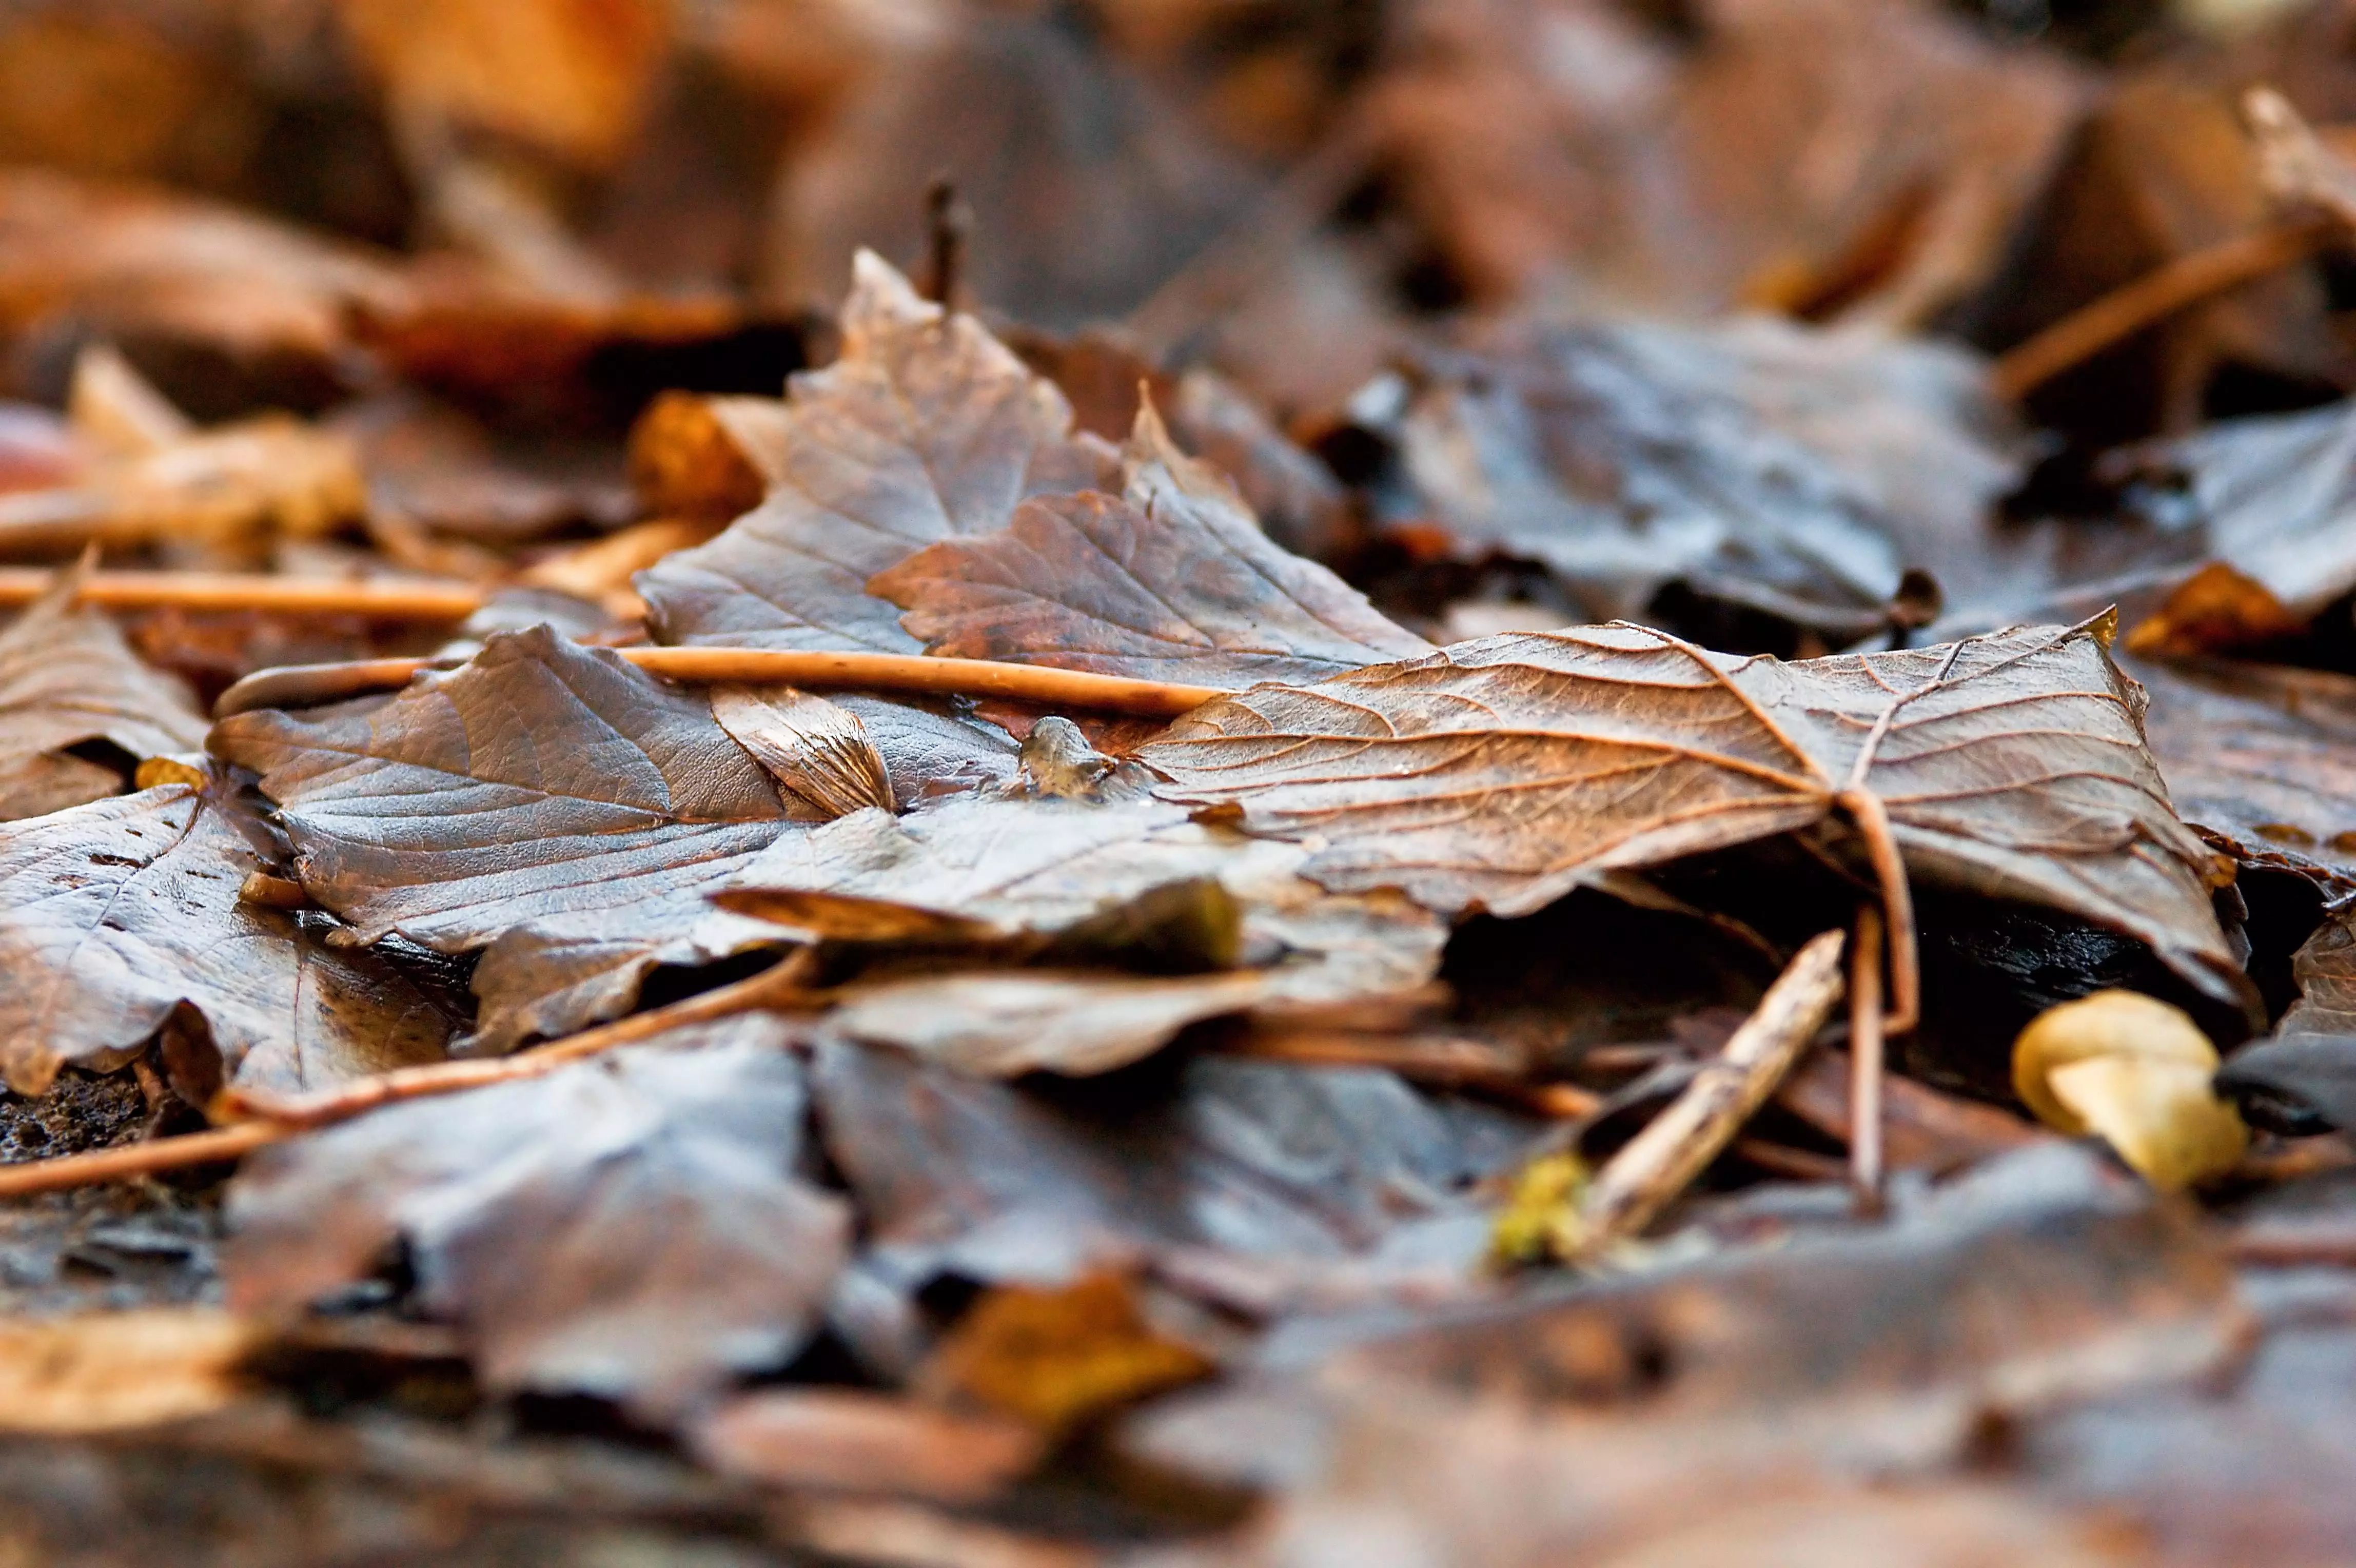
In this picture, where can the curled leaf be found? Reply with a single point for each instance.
(2137, 1073)
(816, 749)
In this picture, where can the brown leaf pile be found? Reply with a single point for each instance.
(1627, 500)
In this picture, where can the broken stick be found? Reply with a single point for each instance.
(1662, 1161)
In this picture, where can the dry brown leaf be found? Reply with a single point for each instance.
(2311, 1061)
(1006, 1025)
(2259, 756)
(67, 677)
(1171, 580)
(111, 1371)
(1503, 773)
(926, 428)
(116, 913)
(1618, 459)
(817, 750)
(634, 1227)
(547, 796)
(705, 456)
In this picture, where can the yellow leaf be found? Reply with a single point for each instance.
(1541, 1221)
(111, 1371)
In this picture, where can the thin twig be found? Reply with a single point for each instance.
(207, 1148)
(300, 685)
(1865, 1060)
(1872, 820)
(374, 600)
(782, 984)
(1662, 1161)
(2155, 297)
(269, 1119)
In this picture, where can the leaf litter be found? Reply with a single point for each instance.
(1657, 511)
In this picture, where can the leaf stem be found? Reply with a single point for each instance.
(299, 686)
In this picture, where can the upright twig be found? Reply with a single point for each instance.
(1865, 1059)
(301, 685)
(1662, 1161)
(948, 223)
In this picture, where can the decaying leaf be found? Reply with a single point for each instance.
(1504, 772)
(546, 793)
(925, 429)
(706, 457)
(113, 914)
(108, 1371)
(67, 677)
(817, 750)
(1171, 580)
(635, 1228)
(2136, 1072)
(1054, 1357)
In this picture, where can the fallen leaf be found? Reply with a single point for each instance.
(2270, 498)
(1004, 1026)
(706, 457)
(1921, 1128)
(112, 1371)
(1503, 773)
(113, 914)
(926, 428)
(546, 793)
(1272, 1173)
(817, 750)
(634, 1227)
(2256, 755)
(1054, 1356)
(854, 1440)
(137, 264)
(67, 677)
(2311, 1058)
(1621, 470)
(1171, 580)
(2136, 1072)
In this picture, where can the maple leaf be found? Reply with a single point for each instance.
(927, 427)
(1171, 580)
(67, 677)
(633, 1228)
(1502, 773)
(116, 913)
(547, 794)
